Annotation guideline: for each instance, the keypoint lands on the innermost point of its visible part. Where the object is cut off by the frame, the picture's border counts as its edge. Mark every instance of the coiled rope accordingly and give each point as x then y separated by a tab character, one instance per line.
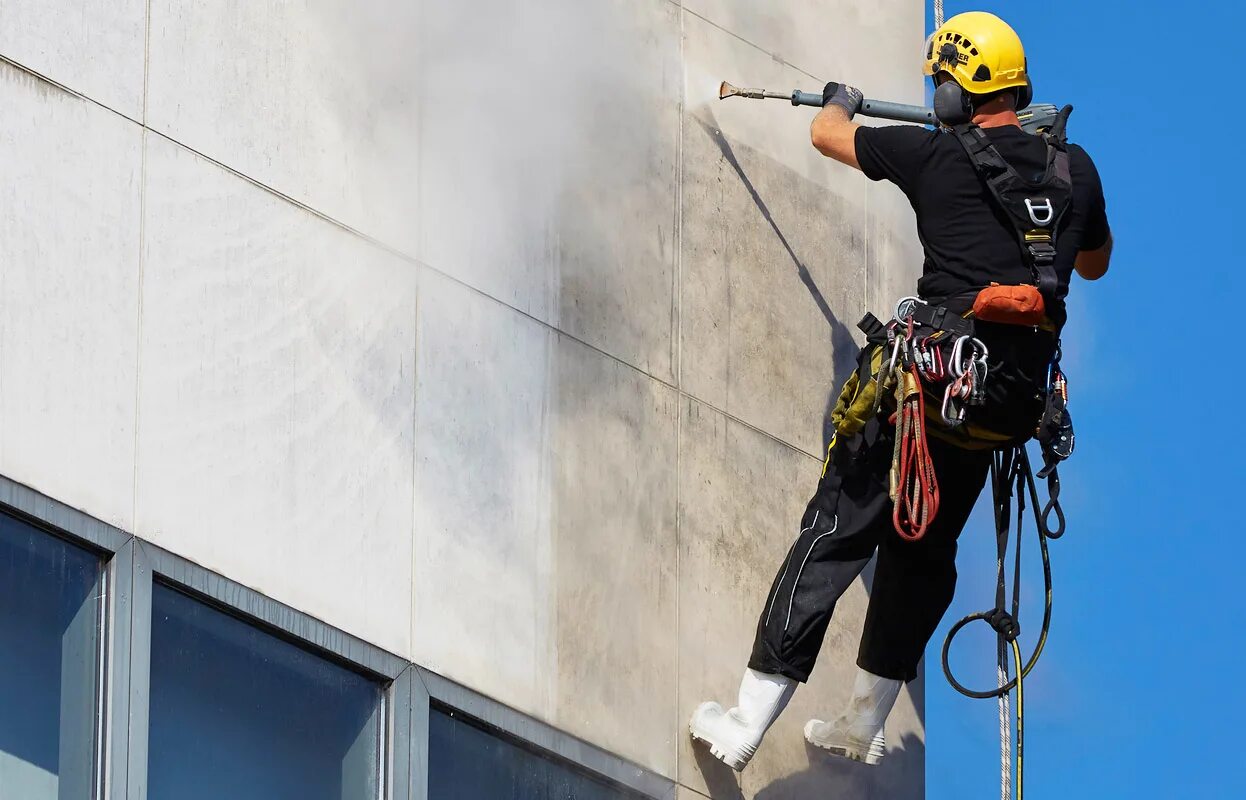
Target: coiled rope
917	500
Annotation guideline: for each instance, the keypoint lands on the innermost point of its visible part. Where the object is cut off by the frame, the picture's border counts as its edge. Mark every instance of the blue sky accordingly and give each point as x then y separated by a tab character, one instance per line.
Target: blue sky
1139	693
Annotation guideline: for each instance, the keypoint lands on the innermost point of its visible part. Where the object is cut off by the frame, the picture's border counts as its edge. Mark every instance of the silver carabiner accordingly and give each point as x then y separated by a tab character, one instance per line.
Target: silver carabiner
956	364
981	346
895	355
960	365
884	371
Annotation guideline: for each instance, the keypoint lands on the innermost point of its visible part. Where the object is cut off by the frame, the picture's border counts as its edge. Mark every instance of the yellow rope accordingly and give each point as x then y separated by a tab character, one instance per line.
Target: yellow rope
1016	655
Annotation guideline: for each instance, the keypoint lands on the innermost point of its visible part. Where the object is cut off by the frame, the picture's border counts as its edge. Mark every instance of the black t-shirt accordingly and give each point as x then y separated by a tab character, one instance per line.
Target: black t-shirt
968	240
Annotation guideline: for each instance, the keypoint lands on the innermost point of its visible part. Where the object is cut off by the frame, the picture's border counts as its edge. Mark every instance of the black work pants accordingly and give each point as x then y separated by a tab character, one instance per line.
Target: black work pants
848	519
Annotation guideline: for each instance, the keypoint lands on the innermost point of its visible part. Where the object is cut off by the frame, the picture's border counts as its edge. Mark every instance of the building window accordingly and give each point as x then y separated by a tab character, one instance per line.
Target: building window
236	712
51	603
468	761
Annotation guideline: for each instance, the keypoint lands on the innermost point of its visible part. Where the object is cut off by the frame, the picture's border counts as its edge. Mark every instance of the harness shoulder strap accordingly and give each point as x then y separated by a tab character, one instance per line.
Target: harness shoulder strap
1035	210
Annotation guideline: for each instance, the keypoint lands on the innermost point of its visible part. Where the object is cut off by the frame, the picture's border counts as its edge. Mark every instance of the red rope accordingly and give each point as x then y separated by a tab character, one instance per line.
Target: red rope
917	499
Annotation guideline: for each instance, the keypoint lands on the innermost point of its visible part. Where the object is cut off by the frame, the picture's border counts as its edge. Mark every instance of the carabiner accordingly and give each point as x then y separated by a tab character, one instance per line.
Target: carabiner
923	360
884	371
938	371
956	364
978	353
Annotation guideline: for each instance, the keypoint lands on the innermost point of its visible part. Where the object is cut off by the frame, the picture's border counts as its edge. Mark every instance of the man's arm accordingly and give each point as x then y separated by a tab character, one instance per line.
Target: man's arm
833	132
1092	260
1093	264
834	135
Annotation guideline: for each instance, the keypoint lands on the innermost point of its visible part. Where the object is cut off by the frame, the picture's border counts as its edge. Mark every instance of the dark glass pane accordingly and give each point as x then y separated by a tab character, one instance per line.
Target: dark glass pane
50	602
466	762
238	713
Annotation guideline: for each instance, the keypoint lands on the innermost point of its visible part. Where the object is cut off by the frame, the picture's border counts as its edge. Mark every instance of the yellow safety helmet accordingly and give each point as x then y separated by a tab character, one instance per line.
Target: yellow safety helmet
981	52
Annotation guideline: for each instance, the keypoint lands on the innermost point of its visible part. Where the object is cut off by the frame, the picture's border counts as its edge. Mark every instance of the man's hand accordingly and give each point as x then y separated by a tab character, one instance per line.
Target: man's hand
833	132
846	97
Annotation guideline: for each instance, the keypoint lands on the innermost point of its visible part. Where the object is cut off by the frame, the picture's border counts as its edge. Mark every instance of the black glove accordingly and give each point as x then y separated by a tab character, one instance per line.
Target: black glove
844	96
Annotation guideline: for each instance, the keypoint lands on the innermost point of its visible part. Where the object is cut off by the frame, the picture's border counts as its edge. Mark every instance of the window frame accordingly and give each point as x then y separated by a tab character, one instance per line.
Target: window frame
132	566
153	564
533	734
100	540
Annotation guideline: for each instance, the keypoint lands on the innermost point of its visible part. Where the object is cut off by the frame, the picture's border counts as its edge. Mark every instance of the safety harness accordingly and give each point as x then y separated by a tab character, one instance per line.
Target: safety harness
1034	209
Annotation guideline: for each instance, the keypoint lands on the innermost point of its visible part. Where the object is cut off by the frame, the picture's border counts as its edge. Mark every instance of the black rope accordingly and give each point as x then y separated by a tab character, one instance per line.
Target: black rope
1011	473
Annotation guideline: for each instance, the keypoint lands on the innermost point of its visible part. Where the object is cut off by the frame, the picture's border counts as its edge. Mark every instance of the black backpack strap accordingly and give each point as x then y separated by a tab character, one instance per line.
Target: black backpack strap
1035	210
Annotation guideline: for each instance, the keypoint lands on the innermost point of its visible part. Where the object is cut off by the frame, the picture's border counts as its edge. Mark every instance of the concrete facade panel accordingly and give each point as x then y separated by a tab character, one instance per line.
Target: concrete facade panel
545	497
276	391
95	47
69	245
741	497
773	250
316	98
886	48
873	46
614	556
549	171
482	516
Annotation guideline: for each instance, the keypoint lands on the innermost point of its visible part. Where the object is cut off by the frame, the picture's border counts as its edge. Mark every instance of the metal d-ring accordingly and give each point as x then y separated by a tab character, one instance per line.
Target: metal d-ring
911	302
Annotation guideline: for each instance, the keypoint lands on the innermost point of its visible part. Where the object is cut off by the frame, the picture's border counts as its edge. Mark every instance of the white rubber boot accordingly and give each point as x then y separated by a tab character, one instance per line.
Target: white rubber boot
733	736
858	732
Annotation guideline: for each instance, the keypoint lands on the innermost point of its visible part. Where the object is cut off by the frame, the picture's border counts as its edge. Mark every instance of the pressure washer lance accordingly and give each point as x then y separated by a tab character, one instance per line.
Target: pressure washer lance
870	108
1034	119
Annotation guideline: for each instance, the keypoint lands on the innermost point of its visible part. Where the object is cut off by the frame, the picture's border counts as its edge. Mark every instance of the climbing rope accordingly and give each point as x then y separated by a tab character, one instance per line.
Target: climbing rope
1016	654
1005	728
1011	475
938	14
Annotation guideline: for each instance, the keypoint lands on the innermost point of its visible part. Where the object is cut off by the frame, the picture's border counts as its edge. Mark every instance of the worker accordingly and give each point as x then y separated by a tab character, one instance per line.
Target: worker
975	253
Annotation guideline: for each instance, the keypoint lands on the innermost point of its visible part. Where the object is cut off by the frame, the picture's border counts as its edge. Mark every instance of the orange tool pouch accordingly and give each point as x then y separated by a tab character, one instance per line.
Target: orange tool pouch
1012	305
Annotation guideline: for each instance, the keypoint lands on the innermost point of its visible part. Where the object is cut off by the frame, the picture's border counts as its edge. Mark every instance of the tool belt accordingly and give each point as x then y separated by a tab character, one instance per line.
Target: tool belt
975	398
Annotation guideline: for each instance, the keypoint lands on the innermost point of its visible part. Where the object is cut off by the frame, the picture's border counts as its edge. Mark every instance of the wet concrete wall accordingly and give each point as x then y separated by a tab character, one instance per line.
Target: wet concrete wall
481	331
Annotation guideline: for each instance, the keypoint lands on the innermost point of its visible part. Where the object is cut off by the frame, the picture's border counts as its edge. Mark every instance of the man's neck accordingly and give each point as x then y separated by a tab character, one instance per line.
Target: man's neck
997	119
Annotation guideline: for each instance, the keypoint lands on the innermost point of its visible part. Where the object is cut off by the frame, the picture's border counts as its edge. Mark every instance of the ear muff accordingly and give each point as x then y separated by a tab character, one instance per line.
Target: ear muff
952	105
1025	94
